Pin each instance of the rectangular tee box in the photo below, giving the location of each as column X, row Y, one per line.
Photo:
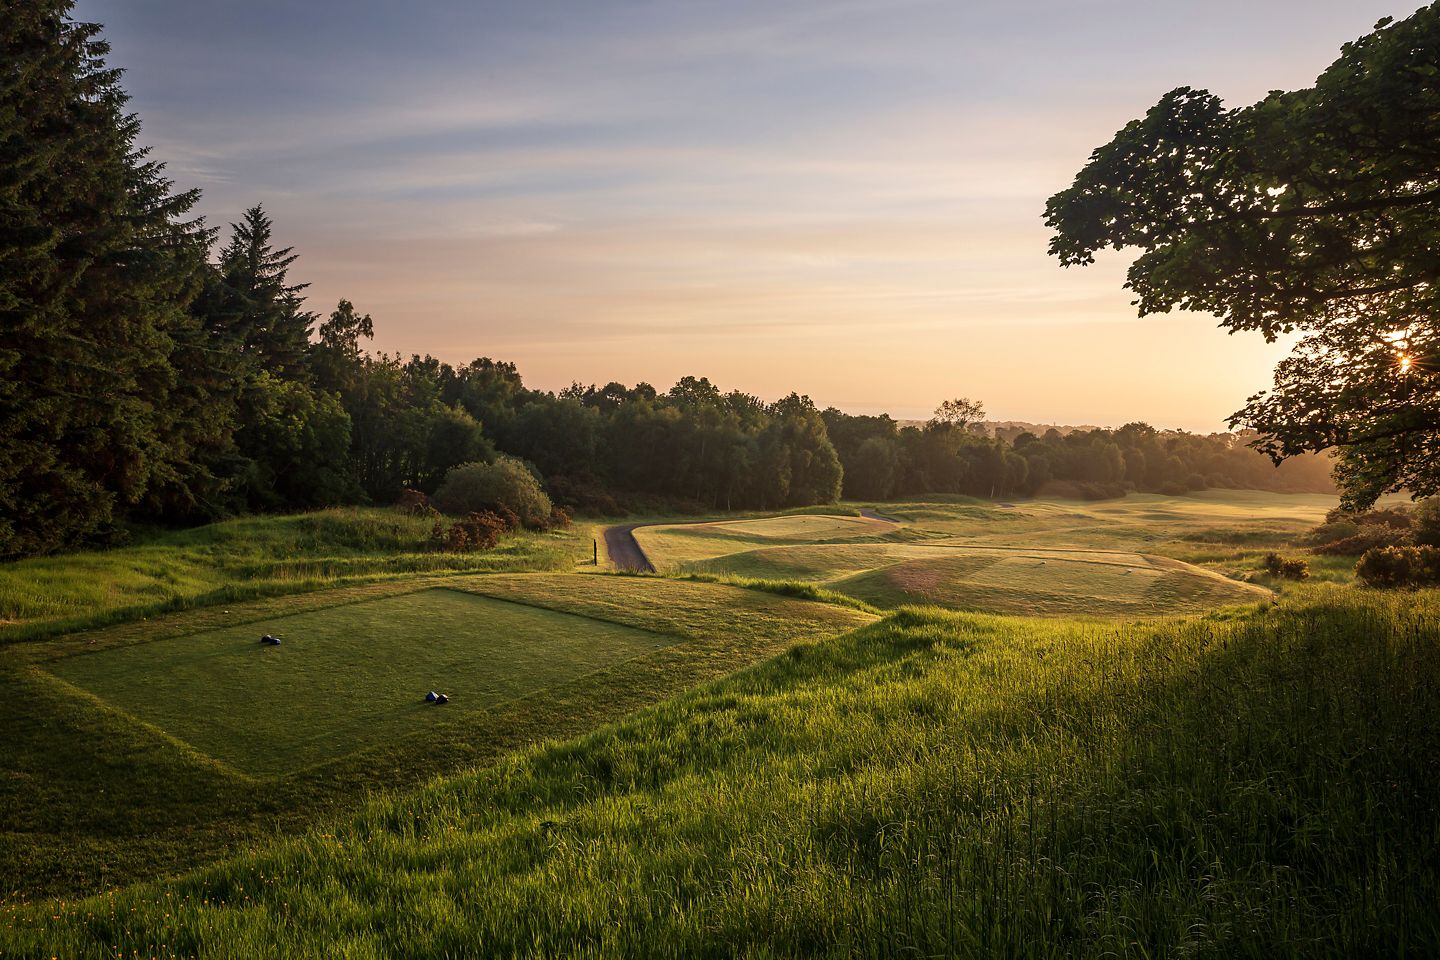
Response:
column 348, row 676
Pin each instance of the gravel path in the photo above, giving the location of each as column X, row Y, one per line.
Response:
column 625, row 550
column 869, row 514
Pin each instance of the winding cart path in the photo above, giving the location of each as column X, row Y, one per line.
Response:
column 625, row 550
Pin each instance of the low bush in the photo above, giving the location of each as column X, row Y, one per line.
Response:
column 1403, row 566
column 1287, row 568
column 505, row 487
column 1367, row 537
column 1425, row 522
column 1387, row 516
column 480, row 530
column 1332, row 532
column 1348, row 533
column 415, row 503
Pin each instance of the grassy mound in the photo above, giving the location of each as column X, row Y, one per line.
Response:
column 240, row 560
column 935, row 784
column 672, row 545
column 818, row 562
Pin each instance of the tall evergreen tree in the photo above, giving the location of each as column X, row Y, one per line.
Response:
column 257, row 307
column 97, row 264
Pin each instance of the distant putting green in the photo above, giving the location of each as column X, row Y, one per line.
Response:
column 349, row 675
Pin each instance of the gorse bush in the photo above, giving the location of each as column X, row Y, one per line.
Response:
column 1399, row 567
column 503, row 486
column 478, row 531
column 1287, row 568
column 1350, row 533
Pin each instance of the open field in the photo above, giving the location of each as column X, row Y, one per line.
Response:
column 1113, row 558
column 152, row 746
column 1262, row 784
column 244, row 559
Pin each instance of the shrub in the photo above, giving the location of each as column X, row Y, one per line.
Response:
column 1333, row 531
column 415, row 503
column 478, row 531
column 1286, row 568
column 1389, row 517
column 1425, row 522
column 1368, row 537
column 1399, row 566
column 505, row 487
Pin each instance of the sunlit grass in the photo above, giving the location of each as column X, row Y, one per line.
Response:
column 244, row 559
column 936, row 784
column 182, row 738
column 347, row 676
column 1034, row 557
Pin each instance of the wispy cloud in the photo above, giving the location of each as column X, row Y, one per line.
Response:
column 783, row 195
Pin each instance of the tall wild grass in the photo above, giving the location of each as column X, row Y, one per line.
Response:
column 243, row 559
column 1260, row 784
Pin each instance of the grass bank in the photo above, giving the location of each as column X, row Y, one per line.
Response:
column 245, row 559
column 1259, row 783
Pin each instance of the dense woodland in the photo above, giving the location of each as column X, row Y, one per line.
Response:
column 153, row 370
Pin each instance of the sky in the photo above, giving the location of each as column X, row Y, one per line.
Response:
column 840, row 198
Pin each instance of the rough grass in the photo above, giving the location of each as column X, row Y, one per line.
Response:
column 92, row 795
column 937, row 784
column 1148, row 523
column 241, row 560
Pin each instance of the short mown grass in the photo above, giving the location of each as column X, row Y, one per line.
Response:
column 349, row 675
column 1258, row 784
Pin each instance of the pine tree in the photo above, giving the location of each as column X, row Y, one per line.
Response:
column 97, row 264
column 258, row 308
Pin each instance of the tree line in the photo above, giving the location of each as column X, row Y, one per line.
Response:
column 151, row 373
column 954, row 454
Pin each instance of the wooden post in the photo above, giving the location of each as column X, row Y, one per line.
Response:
column 596, row 545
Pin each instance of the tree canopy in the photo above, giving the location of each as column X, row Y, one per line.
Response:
column 98, row 263
column 1312, row 211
